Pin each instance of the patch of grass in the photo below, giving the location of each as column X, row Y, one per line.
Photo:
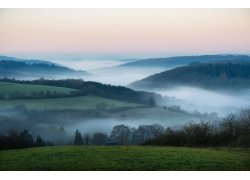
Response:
column 8, row 88
column 5, row 83
column 80, row 102
column 125, row 158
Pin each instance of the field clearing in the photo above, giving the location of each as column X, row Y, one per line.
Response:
column 80, row 102
column 129, row 158
column 8, row 88
column 5, row 84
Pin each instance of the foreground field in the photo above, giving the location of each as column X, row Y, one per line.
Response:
column 125, row 158
column 80, row 102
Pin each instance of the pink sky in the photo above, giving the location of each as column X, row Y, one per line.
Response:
column 125, row 31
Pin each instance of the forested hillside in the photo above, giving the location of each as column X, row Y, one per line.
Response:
column 28, row 61
column 209, row 76
column 8, row 67
column 172, row 62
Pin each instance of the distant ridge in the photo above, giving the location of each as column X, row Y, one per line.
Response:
column 28, row 61
column 207, row 75
column 20, row 69
column 172, row 62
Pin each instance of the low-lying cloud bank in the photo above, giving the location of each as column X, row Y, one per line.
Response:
column 209, row 101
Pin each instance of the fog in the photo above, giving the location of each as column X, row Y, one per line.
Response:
column 222, row 102
column 205, row 101
column 46, row 123
column 106, row 125
column 87, row 65
column 121, row 75
column 49, row 131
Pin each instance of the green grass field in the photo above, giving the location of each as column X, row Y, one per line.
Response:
column 8, row 88
column 80, row 102
column 5, row 84
column 131, row 158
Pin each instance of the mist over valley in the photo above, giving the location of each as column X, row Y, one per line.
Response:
column 99, row 100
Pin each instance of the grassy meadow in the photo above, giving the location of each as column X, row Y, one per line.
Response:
column 129, row 158
column 80, row 102
column 8, row 88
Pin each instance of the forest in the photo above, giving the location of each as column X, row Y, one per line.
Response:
column 207, row 76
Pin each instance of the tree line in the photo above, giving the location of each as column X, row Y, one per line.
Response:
column 232, row 131
column 15, row 140
column 120, row 135
column 40, row 95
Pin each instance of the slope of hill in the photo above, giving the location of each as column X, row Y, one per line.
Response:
column 209, row 76
column 13, row 69
column 8, row 88
column 30, row 61
column 82, row 102
column 172, row 62
column 103, row 90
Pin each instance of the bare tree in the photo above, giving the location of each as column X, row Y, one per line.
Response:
column 121, row 134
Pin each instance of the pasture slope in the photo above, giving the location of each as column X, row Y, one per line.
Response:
column 7, row 88
column 125, row 158
column 79, row 102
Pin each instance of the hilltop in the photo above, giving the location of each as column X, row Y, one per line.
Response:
column 207, row 76
column 172, row 62
column 16, row 69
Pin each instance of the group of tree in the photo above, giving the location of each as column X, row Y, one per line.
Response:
column 37, row 68
column 40, row 95
column 232, row 131
column 120, row 135
column 15, row 140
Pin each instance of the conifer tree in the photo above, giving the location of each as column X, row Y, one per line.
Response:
column 78, row 138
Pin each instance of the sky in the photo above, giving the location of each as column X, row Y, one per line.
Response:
column 123, row 33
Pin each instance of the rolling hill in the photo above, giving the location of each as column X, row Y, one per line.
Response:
column 19, row 70
column 207, row 76
column 28, row 61
column 8, row 88
column 82, row 102
column 172, row 62
column 79, row 102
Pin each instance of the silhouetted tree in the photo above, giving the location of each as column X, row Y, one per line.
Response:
column 78, row 138
column 121, row 134
column 27, row 137
column 99, row 138
column 39, row 141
